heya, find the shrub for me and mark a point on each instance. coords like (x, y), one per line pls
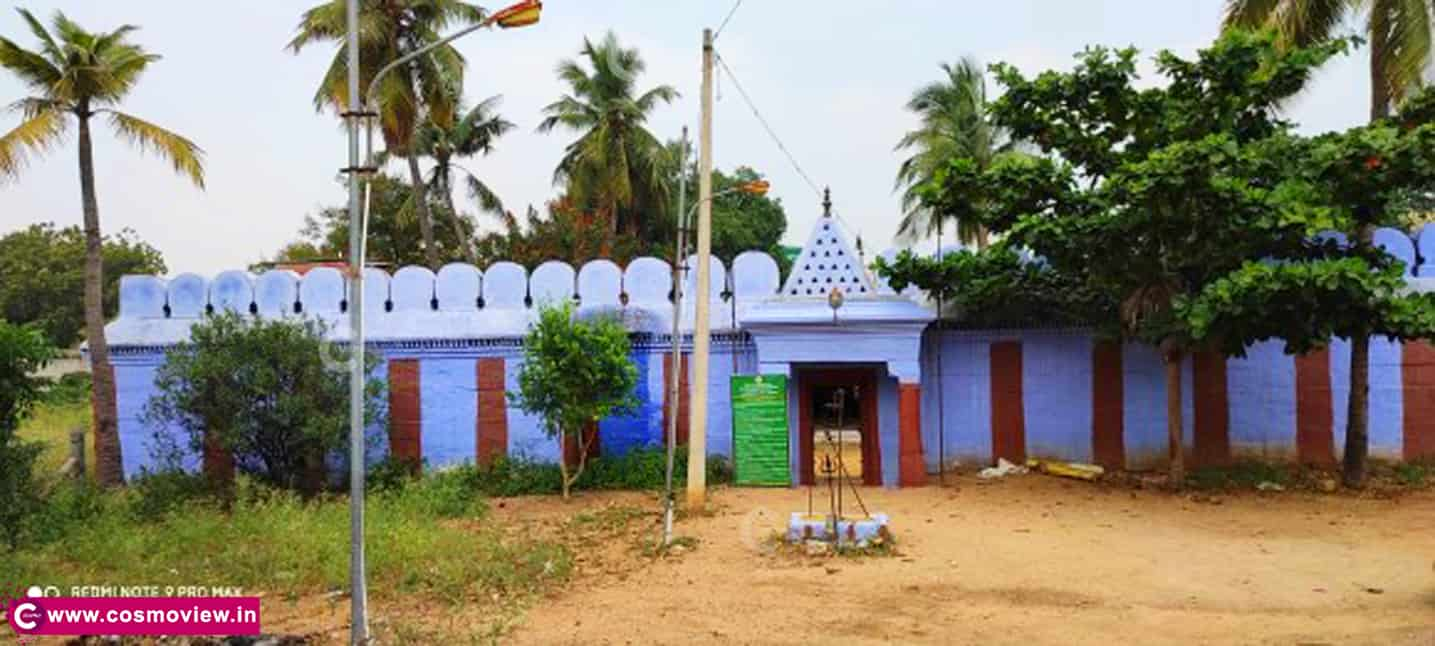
(156, 494)
(575, 372)
(70, 388)
(261, 390)
(23, 350)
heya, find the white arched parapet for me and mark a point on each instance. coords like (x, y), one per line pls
(755, 275)
(505, 286)
(755, 278)
(232, 291)
(321, 292)
(600, 284)
(142, 297)
(720, 315)
(648, 282)
(187, 296)
(1425, 246)
(1396, 243)
(552, 283)
(275, 292)
(412, 290)
(376, 291)
(457, 287)
(142, 315)
(505, 312)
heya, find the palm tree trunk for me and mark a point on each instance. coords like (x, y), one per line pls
(1175, 433)
(421, 206)
(109, 463)
(1357, 430)
(465, 246)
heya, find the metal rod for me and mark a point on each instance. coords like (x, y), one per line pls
(674, 377)
(358, 589)
(941, 394)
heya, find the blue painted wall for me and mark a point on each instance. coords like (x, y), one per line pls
(1262, 401)
(1386, 398)
(642, 428)
(1056, 395)
(134, 386)
(965, 417)
(888, 409)
(448, 410)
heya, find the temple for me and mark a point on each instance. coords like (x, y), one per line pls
(867, 369)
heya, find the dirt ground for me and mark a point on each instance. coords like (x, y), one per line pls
(1026, 560)
(1031, 560)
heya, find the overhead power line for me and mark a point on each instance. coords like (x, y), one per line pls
(765, 126)
(730, 12)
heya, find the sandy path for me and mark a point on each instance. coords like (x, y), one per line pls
(1033, 560)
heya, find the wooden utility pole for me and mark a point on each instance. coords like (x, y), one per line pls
(698, 412)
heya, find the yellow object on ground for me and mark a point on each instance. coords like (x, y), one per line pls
(1076, 470)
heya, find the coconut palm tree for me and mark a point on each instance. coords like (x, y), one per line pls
(1398, 33)
(76, 76)
(423, 90)
(472, 134)
(615, 165)
(955, 123)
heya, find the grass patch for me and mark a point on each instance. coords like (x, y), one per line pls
(421, 540)
(50, 423)
(1412, 474)
(639, 469)
(1240, 475)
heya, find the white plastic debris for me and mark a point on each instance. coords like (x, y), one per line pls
(1003, 469)
(1267, 485)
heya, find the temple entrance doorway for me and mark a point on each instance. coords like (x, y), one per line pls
(837, 425)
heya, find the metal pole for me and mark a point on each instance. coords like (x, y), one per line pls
(941, 407)
(358, 590)
(674, 379)
(698, 414)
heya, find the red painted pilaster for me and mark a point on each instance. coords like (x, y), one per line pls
(492, 424)
(1108, 425)
(912, 463)
(405, 435)
(1314, 410)
(683, 395)
(1417, 374)
(1213, 413)
(1008, 416)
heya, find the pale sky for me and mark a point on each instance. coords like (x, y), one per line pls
(831, 77)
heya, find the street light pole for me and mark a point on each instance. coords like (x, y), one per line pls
(358, 589)
(522, 14)
(676, 362)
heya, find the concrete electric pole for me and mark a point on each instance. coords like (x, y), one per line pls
(698, 412)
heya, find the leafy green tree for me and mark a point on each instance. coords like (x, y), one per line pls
(394, 233)
(473, 134)
(1148, 195)
(42, 277)
(575, 373)
(741, 221)
(84, 74)
(956, 122)
(260, 389)
(616, 165)
(1361, 177)
(23, 350)
(1399, 36)
(565, 233)
(425, 90)
(996, 287)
